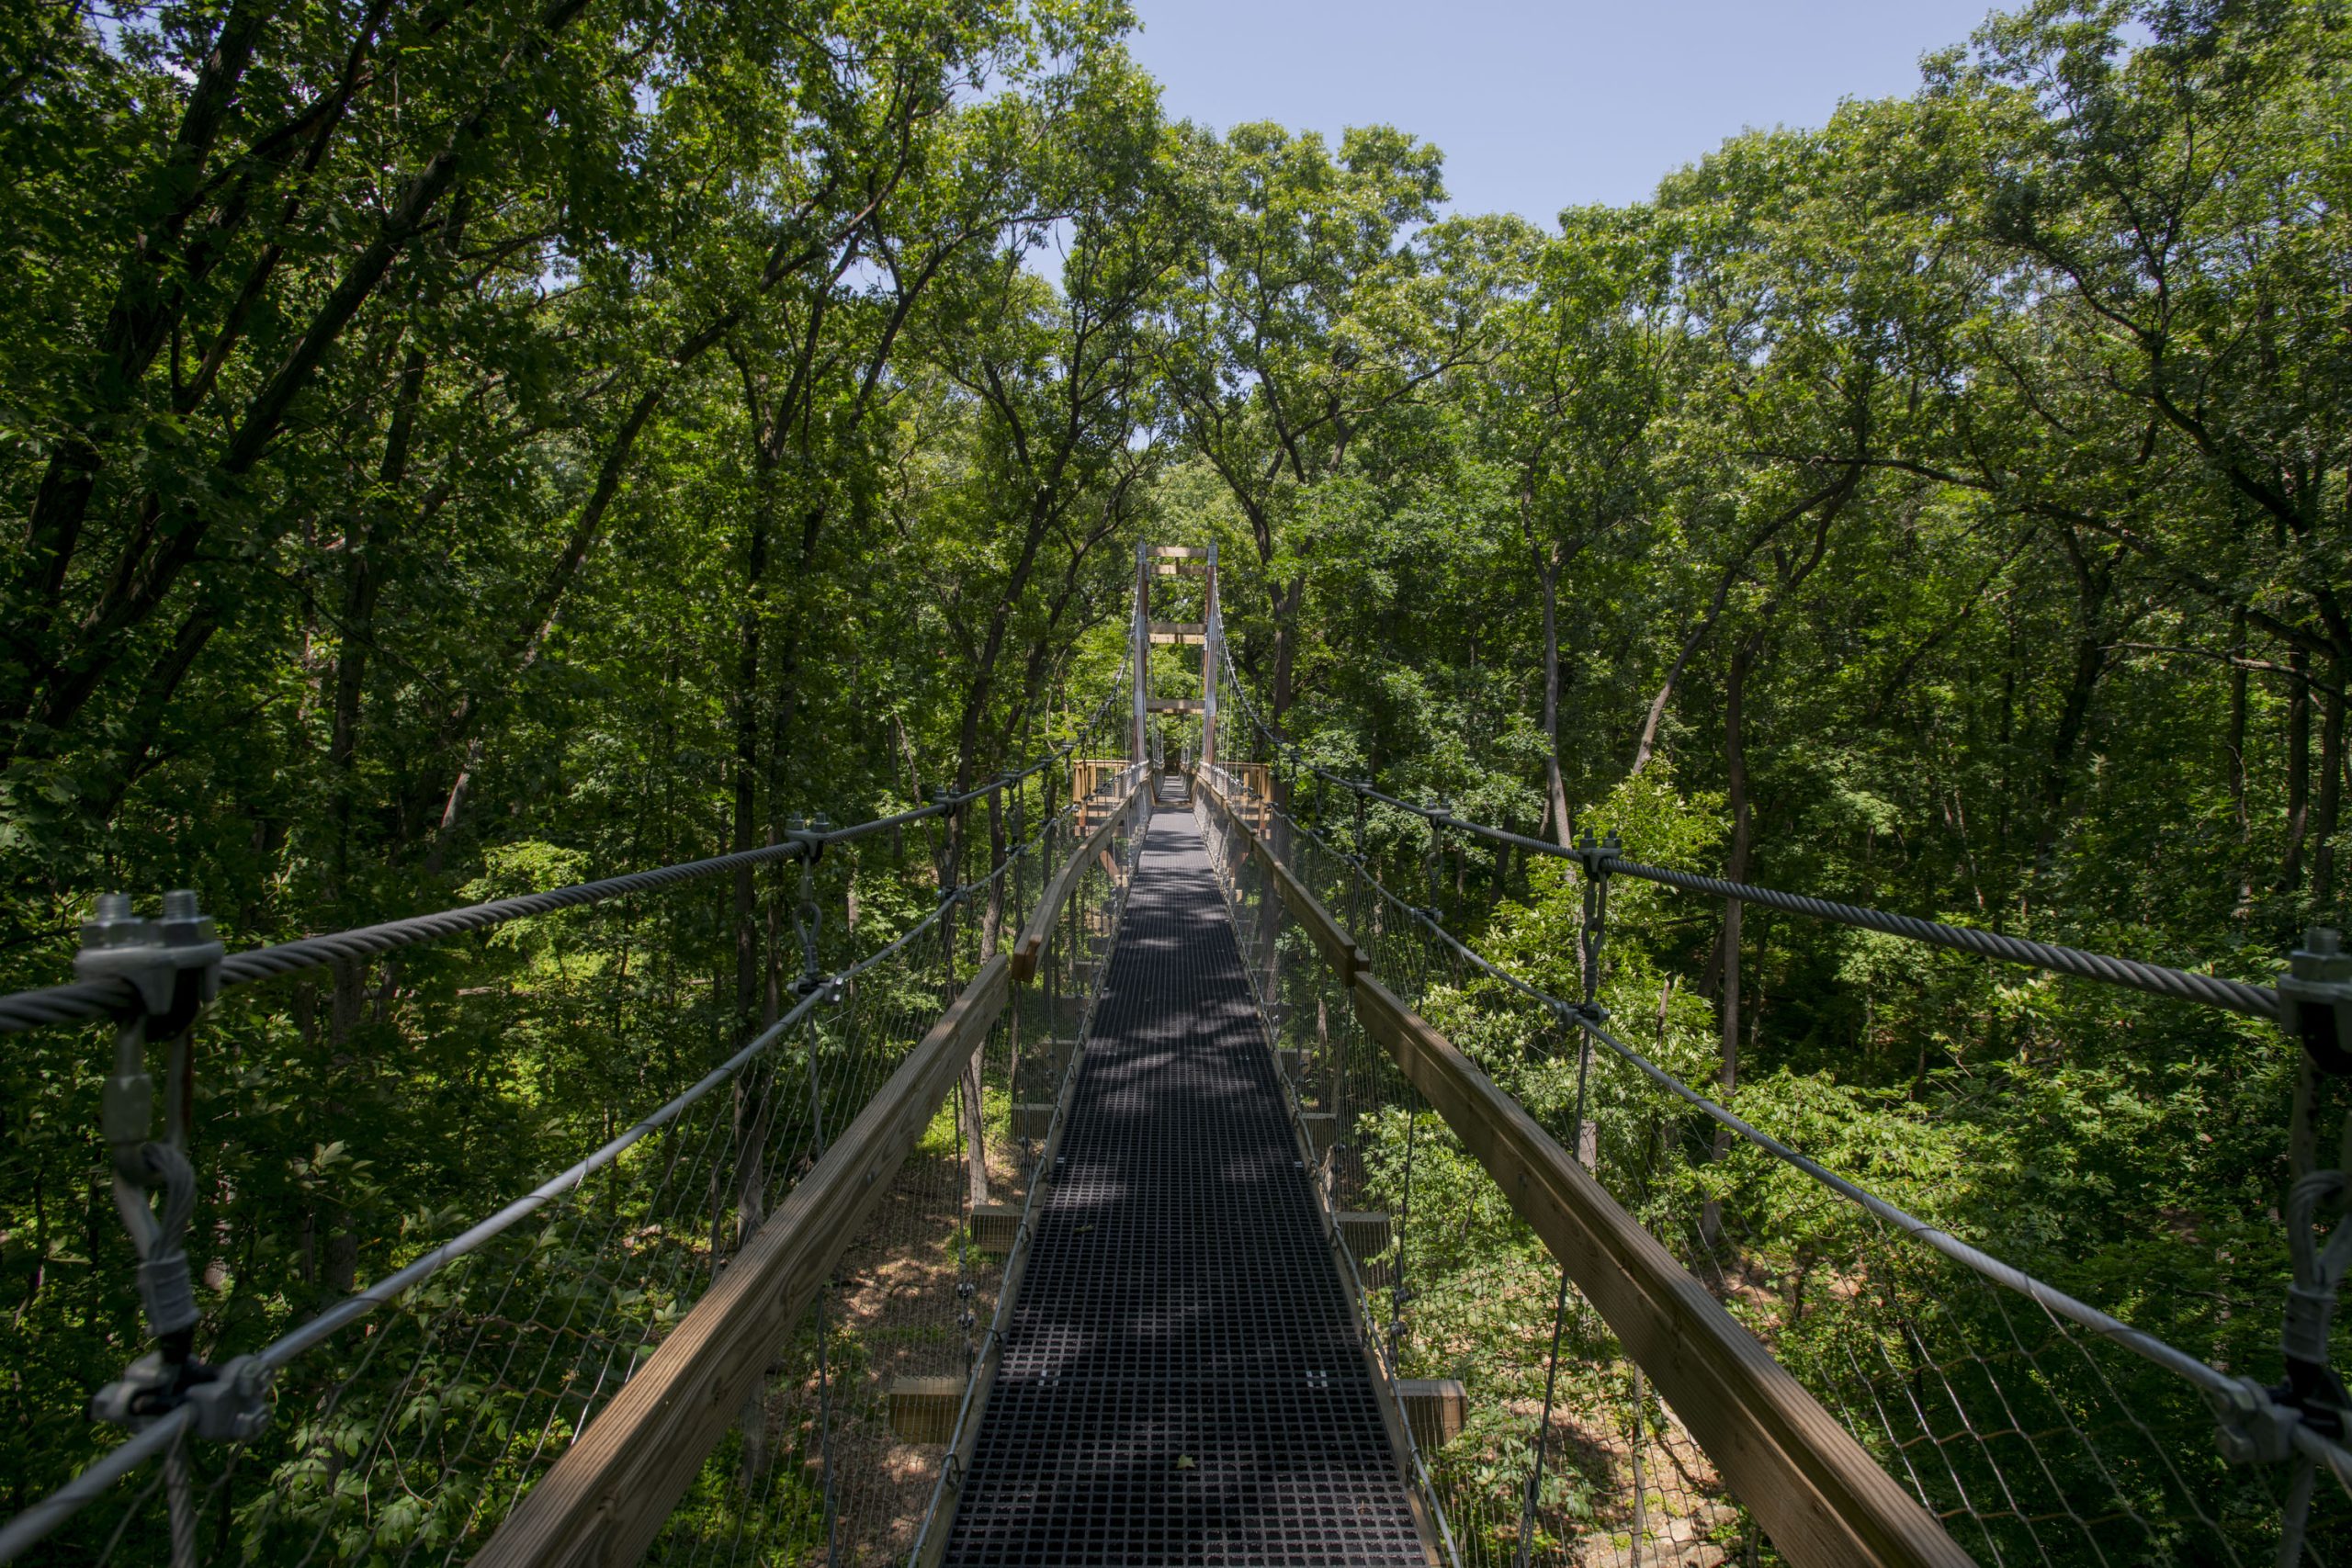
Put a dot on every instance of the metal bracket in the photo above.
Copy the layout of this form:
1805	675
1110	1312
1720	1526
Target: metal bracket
807	919
172	964
231	1402
1599	857
2252	1426
2316	1000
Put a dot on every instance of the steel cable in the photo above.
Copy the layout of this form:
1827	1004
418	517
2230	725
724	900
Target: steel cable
85	1000
35	1523
2206	1380
2156	980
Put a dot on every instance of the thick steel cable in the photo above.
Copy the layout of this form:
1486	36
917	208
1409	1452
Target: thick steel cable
2156	980
85	1000
2206	1380
29	1527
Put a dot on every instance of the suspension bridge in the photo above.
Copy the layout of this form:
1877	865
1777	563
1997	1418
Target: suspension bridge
1176	1191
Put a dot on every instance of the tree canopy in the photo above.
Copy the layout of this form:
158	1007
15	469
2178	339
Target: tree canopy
452	449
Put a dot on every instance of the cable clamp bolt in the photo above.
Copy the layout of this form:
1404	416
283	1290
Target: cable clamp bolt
2315	999
811	835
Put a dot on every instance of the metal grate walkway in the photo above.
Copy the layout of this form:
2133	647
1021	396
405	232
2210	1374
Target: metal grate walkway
1182	1381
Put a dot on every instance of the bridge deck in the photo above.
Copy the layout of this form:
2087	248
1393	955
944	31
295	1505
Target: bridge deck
1183	1379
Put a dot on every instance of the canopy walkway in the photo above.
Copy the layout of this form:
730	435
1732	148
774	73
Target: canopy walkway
1183	1378
1136	1225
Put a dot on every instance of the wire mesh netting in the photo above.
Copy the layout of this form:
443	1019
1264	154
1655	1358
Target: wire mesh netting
838	1458
404	1433
2034	1439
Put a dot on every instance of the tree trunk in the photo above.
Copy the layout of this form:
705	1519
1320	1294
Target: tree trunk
747	770
1555	794
2235	760
2299	769
2331	796
1735	869
992	914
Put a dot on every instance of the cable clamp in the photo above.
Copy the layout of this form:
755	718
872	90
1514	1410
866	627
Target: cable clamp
812	836
1599	857
231	1403
2316	1000
172	964
2252	1426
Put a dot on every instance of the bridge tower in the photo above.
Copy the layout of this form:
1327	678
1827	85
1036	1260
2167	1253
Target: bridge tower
1153	561
1212	634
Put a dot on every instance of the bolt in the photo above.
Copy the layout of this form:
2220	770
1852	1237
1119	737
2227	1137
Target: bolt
112	924
184	924
2322	956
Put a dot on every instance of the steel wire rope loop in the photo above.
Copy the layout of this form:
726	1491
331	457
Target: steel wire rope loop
35	1523
2156	980
89	999
2214	1384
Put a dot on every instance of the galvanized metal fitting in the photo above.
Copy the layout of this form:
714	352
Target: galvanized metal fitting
231	1403
2315	999
1599	857
2252	1428
810	834
172	964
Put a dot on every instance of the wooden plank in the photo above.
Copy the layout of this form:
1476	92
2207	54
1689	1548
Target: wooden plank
1179	552
1173	704
1181	628
607	1498
994	1225
1822	1499
1322	1129
1435	1409
923	1409
1366	1231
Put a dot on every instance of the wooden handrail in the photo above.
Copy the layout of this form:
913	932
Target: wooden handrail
1820	1496
1339	949
606	1500
1031	945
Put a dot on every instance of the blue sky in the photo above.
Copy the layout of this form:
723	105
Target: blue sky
1537	105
